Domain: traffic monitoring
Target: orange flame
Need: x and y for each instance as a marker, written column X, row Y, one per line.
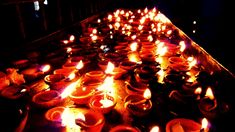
column 65, row 41
column 161, row 75
column 70, row 88
column 69, row 50
column 147, row 94
column 107, row 86
column 209, row 93
column 154, row 129
column 204, row 125
column 110, row 68
column 198, row 90
column 80, row 65
column 192, row 61
column 134, row 46
column 106, row 103
column 161, row 49
column 71, row 38
column 46, row 68
column 182, row 46
column 68, row 120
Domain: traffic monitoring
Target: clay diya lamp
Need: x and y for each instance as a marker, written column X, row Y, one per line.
column 173, row 50
column 147, row 56
column 96, row 74
column 182, row 125
column 14, row 92
column 21, row 63
column 127, row 65
column 35, row 72
column 53, row 116
column 174, row 80
column 208, row 105
column 118, row 73
column 93, row 121
column 124, row 128
column 82, row 95
column 138, row 105
column 179, row 67
column 144, row 74
column 71, row 65
column 64, row 71
column 176, row 59
column 47, row 99
column 103, row 103
column 53, row 78
column 4, row 80
column 75, row 119
column 103, row 64
column 135, row 87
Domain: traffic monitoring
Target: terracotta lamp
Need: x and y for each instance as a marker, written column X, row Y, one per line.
column 124, row 128
column 79, row 119
column 139, row 105
column 103, row 103
column 47, row 99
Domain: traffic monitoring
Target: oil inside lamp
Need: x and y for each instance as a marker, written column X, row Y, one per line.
column 182, row 125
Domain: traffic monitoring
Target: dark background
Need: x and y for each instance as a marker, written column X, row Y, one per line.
column 214, row 24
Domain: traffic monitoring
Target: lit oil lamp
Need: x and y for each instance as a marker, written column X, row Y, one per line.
column 208, row 104
column 127, row 65
column 82, row 95
column 124, row 128
column 47, row 99
column 182, row 125
column 64, row 71
column 35, row 72
column 105, row 100
column 13, row 92
column 135, row 88
column 75, row 119
column 145, row 73
column 139, row 105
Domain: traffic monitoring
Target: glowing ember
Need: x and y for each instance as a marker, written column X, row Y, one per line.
column 155, row 129
column 110, row 68
column 80, row 65
column 182, row 46
column 147, row 94
column 46, row 68
column 133, row 46
column 209, row 93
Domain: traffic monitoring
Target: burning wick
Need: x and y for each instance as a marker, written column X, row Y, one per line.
column 155, row 129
